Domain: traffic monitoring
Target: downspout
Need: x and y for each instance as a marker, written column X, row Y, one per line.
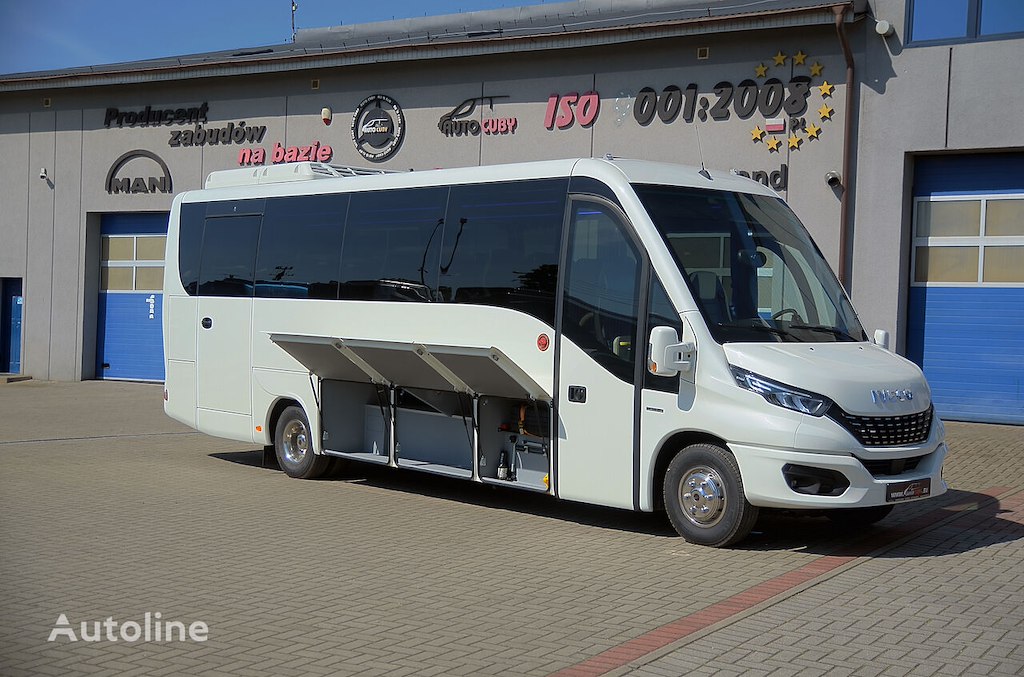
column 844, row 199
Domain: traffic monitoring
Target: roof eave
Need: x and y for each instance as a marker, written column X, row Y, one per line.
column 500, row 44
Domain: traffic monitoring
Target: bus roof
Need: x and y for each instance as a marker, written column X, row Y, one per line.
column 307, row 178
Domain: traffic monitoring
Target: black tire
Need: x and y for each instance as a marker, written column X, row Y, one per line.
column 859, row 517
column 704, row 497
column 293, row 445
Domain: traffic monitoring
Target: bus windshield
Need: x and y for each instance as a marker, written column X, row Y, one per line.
column 751, row 266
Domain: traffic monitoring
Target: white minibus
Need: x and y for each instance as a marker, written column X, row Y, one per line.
column 623, row 333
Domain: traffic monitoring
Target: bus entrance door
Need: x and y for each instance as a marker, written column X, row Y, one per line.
column 598, row 349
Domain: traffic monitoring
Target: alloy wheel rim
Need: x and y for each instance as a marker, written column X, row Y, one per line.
column 295, row 441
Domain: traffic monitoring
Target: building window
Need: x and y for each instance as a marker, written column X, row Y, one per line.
column 954, row 20
column 132, row 262
column 969, row 241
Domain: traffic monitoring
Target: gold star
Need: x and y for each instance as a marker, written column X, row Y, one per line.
column 816, row 69
column 780, row 58
column 761, row 70
column 826, row 89
column 773, row 144
column 813, row 130
column 795, row 141
column 798, row 58
column 825, row 112
column 756, row 134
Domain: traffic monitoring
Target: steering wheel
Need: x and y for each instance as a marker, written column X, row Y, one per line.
column 787, row 311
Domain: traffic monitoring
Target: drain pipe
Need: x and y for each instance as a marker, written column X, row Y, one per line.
column 844, row 199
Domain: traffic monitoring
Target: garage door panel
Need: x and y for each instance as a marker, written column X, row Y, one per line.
column 969, row 345
column 969, row 337
column 129, row 342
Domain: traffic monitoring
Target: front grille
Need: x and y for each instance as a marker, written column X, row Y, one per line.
column 885, row 431
column 896, row 466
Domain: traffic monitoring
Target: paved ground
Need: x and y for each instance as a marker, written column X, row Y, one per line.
column 110, row 510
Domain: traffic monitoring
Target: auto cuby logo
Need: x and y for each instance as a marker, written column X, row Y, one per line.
column 457, row 121
column 378, row 127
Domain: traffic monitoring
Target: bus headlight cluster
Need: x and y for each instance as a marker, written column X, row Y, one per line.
column 780, row 394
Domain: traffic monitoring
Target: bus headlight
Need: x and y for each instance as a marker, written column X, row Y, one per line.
column 780, row 394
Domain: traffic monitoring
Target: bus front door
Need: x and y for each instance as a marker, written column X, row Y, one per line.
column 598, row 351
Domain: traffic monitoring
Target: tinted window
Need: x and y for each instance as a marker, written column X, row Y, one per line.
column 501, row 245
column 965, row 19
column 602, row 287
column 938, row 19
column 1001, row 16
column 190, row 242
column 751, row 266
column 661, row 313
column 300, row 247
column 392, row 244
column 229, row 255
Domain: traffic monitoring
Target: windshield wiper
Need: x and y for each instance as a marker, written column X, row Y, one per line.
column 838, row 333
column 760, row 327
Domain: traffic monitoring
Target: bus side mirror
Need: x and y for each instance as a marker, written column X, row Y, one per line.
column 666, row 356
column 881, row 338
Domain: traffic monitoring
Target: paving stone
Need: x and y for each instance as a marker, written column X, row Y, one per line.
column 110, row 509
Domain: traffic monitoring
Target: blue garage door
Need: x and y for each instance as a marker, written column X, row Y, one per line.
column 966, row 306
column 130, row 342
column 11, row 311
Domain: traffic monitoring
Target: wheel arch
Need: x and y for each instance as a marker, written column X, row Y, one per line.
column 275, row 411
column 667, row 451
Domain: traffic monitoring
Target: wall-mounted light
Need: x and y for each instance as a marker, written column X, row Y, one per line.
column 326, row 114
column 884, row 28
column 42, row 173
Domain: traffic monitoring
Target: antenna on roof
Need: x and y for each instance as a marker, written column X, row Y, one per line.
column 294, row 7
column 700, row 150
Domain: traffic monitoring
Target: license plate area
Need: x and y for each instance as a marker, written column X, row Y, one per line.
column 908, row 491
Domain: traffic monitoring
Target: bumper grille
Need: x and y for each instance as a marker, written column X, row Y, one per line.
column 885, row 431
column 886, row 468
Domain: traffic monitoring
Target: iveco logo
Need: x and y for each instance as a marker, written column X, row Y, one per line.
column 884, row 396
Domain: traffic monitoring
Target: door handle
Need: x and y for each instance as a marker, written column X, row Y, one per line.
column 207, row 323
column 577, row 394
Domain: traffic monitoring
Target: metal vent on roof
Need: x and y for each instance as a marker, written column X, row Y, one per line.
column 292, row 171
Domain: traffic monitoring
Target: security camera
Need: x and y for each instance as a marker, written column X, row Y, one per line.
column 833, row 179
column 884, row 28
column 42, row 173
column 326, row 114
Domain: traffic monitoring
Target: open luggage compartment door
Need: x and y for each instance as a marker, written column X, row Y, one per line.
column 474, row 370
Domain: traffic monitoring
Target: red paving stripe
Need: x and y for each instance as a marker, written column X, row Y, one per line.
column 651, row 641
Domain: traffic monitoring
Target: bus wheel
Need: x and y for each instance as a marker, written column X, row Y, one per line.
column 294, row 446
column 704, row 497
column 858, row 517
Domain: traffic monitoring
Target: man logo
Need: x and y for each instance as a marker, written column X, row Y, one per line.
column 140, row 183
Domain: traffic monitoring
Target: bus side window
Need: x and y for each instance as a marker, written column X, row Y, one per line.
column 501, row 243
column 229, row 255
column 391, row 245
column 661, row 313
column 190, row 244
column 300, row 247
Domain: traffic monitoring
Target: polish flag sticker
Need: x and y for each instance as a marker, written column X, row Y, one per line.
column 775, row 125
